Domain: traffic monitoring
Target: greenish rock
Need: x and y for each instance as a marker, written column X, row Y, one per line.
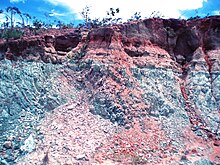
column 203, row 162
column 29, row 144
column 27, row 91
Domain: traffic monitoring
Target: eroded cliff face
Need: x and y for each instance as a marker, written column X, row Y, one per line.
column 157, row 79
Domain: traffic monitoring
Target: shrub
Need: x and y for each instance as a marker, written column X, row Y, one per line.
column 11, row 34
column 109, row 19
column 136, row 16
column 38, row 24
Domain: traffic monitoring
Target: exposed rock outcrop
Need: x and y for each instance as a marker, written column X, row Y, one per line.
column 47, row 47
column 164, row 72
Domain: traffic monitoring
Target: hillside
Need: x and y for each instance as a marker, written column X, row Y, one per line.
column 142, row 92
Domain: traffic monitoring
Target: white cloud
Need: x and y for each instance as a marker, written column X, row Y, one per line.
column 54, row 13
column 169, row 8
column 216, row 12
column 17, row 1
column 2, row 18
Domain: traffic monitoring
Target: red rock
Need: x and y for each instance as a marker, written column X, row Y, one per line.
column 177, row 37
column 156, row 77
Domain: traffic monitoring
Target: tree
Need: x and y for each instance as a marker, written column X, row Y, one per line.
column 37, row 24
column 1, row 12
column 62, row 25
column 136, row 16
column 48, row 23
column 156, row 14
column 12, row 11
column 4, row 24
column 85, row 14
column 23, row 16
column 110, row 18
column 59, row 24
column 112, row 12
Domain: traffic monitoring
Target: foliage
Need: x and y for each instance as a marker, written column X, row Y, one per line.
column 24, row 21
column 136, row 16
column 109, row 19
column 5, row 25
column 196, row 17
column 38, row 24
column 62, row 25
column 69, row 25
column 11, row 13
column 85, row 14
column 11, row 34
column 48, row 23
column 23, row 16
column 156, row 14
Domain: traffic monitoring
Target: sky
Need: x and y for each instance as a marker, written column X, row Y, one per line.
column 68, row 11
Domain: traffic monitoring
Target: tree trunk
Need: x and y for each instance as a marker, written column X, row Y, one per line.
column 12, row 23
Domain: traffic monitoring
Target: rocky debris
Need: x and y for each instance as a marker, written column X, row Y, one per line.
column 155, row 80
column 27, row 92
column 29, row 144
column 71, row 135
column 137, row 145
column 7, row 144
column 167, row 76
column 81, row 157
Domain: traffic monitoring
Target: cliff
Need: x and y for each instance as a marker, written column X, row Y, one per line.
column 156, row 79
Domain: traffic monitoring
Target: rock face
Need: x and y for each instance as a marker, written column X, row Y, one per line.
column 173, row 63
column 28, row 90
column 157, row 71
column 51, row 48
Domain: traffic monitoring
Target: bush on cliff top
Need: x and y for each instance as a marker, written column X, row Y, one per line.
column 11, row 33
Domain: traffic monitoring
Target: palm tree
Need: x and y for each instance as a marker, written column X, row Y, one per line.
column 13, row 11
column 28, row 17
column 23, row 16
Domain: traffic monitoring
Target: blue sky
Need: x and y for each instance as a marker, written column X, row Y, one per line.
column 68, row 10
column 210, row 7
column 41, row 9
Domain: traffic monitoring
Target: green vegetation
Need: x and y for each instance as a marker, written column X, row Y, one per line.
column 109, row 19
column 23, row 17
column 17, row 23
column 11, row 33
column 136, row 16
column 26, row 24
column 25, row 20
column 62, row 25
column 10, row 14
column 85, row 14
